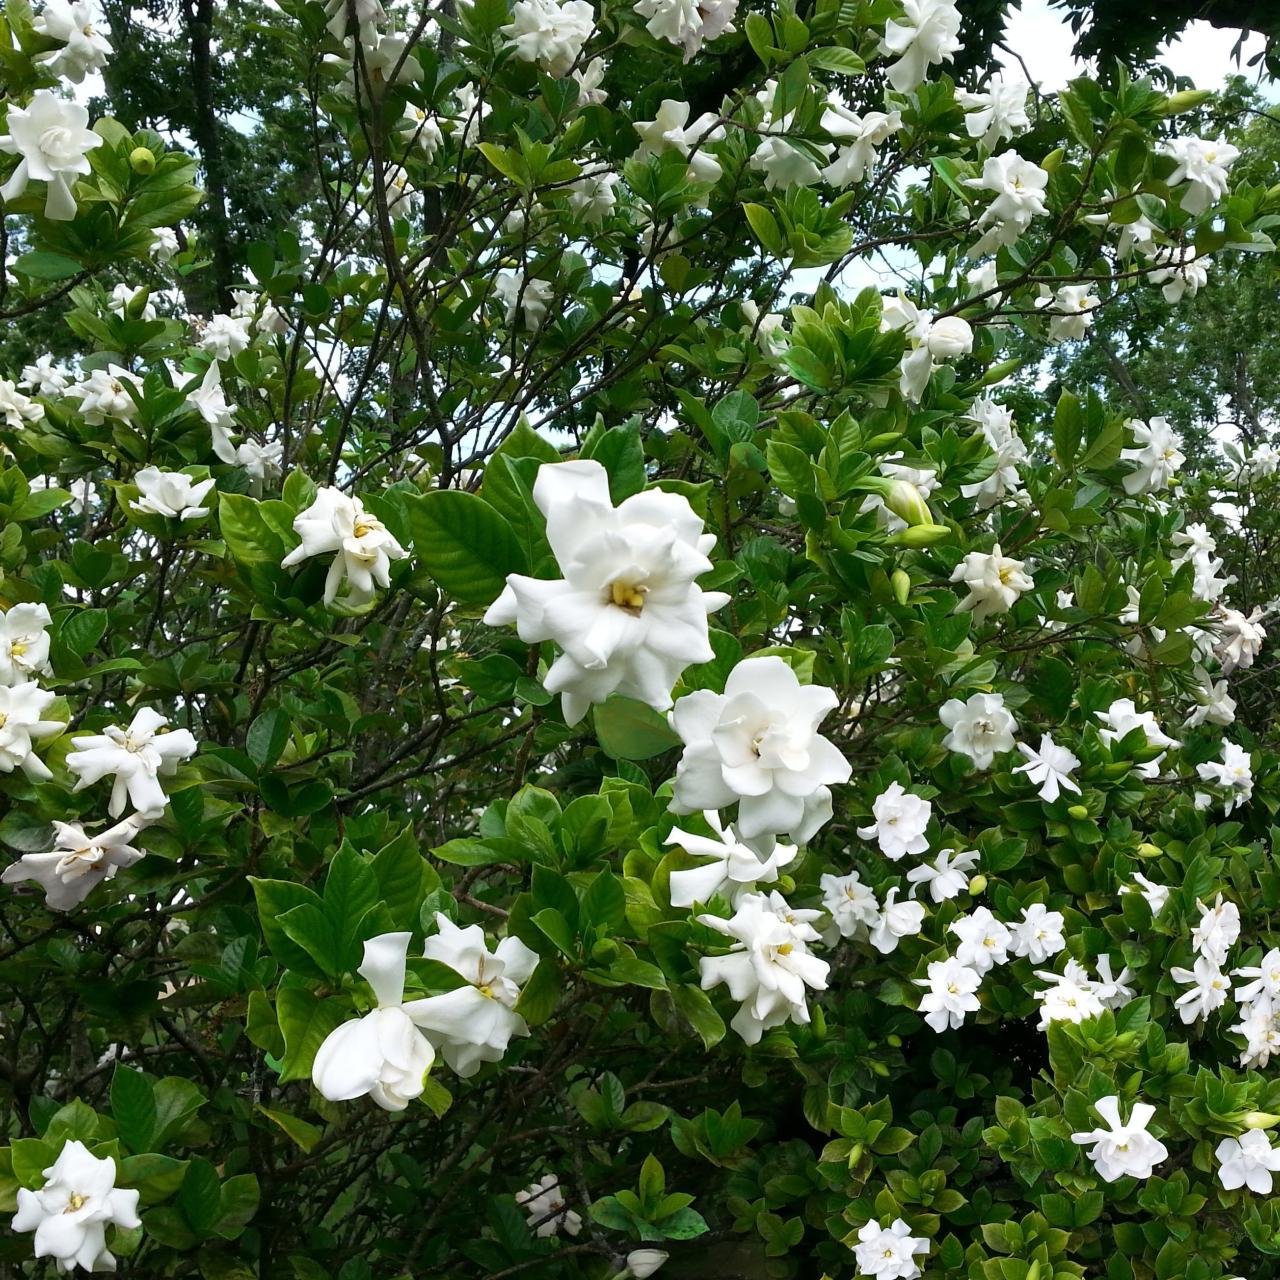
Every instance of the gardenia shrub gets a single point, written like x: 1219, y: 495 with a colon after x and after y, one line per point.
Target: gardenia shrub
x: 549, y: 732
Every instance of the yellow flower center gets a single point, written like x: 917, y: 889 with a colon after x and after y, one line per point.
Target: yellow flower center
x: 76, y: 1203
x: 627, y: 595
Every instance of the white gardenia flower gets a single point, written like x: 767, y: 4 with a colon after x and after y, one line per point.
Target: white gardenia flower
x: 45, y: 378
x: 1180, y: 271
x: 383, y: 1054
x: 544, y: 1205
x: 928, y: 341
x: 549, y: 32
x: 21, y: 706
x: 1217, y: 931
x: 996, y: 423
x: 1239, y: 638
x: 422, y: 128
x: 1121, y: 718
x: 927, y: 33
x: 979, y: 728
x: 950, y: 992
x: 1019, y: 188
x: 1248, y: 1161
x: 474, y: 1023
x: 770, y: 967
x: 366, y: 12
x: 165, y: 244
x: 83, y: 35
x: 53, y: 139
x: 900, y: 822
x: 1038, y: 935
x: 1156, y: 459
x: 670, y: 130
x: 889, y: 1253
x: 362, y: 546
x: 1208, y: 989
x: 224, y: 336
x: 592, y: 197
x: 1070, y: 310
x: 984, y: 940
x: 78, y: 862
x: 1265, y: 987
x: 688, y: 23
x: 16, y: 409
x: 860, y: 138
x: 733, y: 868
x: 852, y: 905
x: 1234, y: 774
x: 589, y: 79
x: 1156, y: 894
x: 262, y: 462
x: 170, y: 493
x: 523, y: 296
x: 210, y: 402
x: 1049, y: 768
x: 70, y: 1214
x: 628, y: 614
x: 897, y: 920
x: 993, y: 580
x: 1202, y: 164
x: 997, y: 112
x: 757, y: 745
x: 137, y: 757
x: 103, y: 395
x: 122, y: 297
x: 1124, y: 1148
x: 946, y: 877
x: 24, y: 643
x: 1071, y: 996
x: 1113, y: 991
x: 642, y: 1263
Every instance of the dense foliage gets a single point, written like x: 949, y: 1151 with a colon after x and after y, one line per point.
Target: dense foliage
x: 545, y: 731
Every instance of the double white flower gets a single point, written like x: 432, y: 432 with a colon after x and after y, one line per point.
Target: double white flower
x: 549, y: 32
x: 1124, y: 1148
x: 757, y: 745
x: 927, y: 33
x: 21, y: 706
x: 170, y: 493
x: 979, y: 728
x: 628, y: 614
x: 993, y: 580
x: 138, y: 757
x: 733, y: 868
x: 361, y: 545
x: 51, y: 136
x: 24, y: 643
x: 78, y: 862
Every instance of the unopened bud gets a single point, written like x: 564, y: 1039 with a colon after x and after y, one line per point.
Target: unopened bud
x: 1050, y: 163
x: 1078, y: 812
x: 142, y: 160
x: 605, y: 949
x: 907, y: 503
x: 921, y: 535
x: 978, y: 885
x: 1260, y: 1120
x: 894, y: 1042
x: 1148, y: 850
x: 1186, y: 100
x: 900, y: 581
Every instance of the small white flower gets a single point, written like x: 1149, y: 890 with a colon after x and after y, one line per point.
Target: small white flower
x: 984, y: 940
x: 82, y: 33
x: 24, y: 643
x: 1202, y: 164
x: 946, y: 876
x: 71, y: 1212
x: 16, y: 410
x: 900, y: 822
x: 670, y: 130
x: 927, y: 33
x: 224, y: 336
x: 1123, y: 1149
x: 861, y: 137
x: 45, y: 378
x: 997, y: 112
x: 1234, y: 774
x: 1019, y: 188
x: 1240, y: 638
x: 996, y: 423
x: 1208, y: 989
x: 979, y: 727
x: 1156, y: 459
x: 103, y: 395
x: 53, y: 139
x: 1248, y: 1161
x: 1070, y: 310
x: 897, y: 920
x: 1049, y: 768
x: 362, y: 546
x: 137, y: 757
x: 851, y: 904
x: 523, y: 295
x: 78, y: 862
x: 165, y: 244
x: 687, y: 23
x: 889, y: 1253
x: 1070, y: 997
x: 1121, y: 718
x: 549, y: 32
x: 170, y: 493
x: 951, y: 989
x: 642, y: 1263
x: 993, y: 580
x: 21, y: 708
x: 733, y: 868
x: 1156, y: 894
x: 1038, y: 935
x: 544, y: 1206
x: 122, y: 297
x: 1217, y: 931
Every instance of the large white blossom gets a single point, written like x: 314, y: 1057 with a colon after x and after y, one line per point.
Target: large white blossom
x: 1038, y: 935
x: 1248, y: 1161
x: 984, y: 941
x: 82, y: 34
x: 950, y: 992
x: 889, y: 1253
x: 383, y: 1054
x: 687, y: 23
x: 170, y: 493
x: 1019, y: 187
x: 52, y: 137
x: 1124, y: 1148
x: 16, y: 409
x: 897, y: 920
x: 1207, y: 989
x: 859, y: 138
x: 103, y: 394
x: 474, y: 1023
x: 770, y: 968
x: 78, y: 862
x: 993, y: 580
x: 671, y: 130
x: 997, y: 112
x: 628, y: 615
x: 1240, y: 638
x: 927, y: 33
x: 137, y: 758
x: 549, y: 32
x: 361, y: 545
x: 1233, y: 773
x: 1156, y: 457
x: 71, y: 1212
x: 757, y: 745
x: 22, y: 707
x: 1203, y: 165
x: 1009, y: 449
x: 979, y: 727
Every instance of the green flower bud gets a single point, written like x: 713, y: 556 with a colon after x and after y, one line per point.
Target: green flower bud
x: 1260, y: 1120
x: 1148, y: 850
x: 901, y: 583
x: 142, y: 160
x: 906, y: 502
x: 1052, y: 160
x: 604, y: 950
x: 921, y: 535
x: 978, y: 885
x: 1078, y: 812
x: 1187, y: 100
